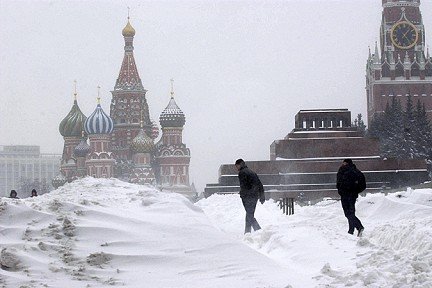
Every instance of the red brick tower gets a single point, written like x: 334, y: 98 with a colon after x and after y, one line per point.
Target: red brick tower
x: 402, y: 67
x: 128, y: 102
x: 172, y: 155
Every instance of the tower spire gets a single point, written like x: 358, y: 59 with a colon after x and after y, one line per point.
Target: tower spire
x: 98, y: 97
x: 376, y: 55
x: 172, y: 88
x: 75, y: 90
x: 128, y: 78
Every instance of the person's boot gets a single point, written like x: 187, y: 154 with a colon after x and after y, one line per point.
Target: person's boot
x: 360, y: 232
x: 255, y: 225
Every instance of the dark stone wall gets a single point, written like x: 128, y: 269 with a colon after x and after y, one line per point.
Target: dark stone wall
x: 325, y: 147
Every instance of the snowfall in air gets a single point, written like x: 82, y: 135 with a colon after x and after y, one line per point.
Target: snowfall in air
x: 108, y: 233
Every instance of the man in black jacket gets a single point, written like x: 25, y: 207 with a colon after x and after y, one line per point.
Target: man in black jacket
x: 347, y: 182
x: 251, y: 189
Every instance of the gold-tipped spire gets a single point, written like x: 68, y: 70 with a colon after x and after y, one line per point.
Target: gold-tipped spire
x: 98, y: 97
x: 128, y: 30
x: 172, y: 88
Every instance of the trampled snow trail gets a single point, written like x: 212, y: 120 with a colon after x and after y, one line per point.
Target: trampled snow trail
x: 396, y: 250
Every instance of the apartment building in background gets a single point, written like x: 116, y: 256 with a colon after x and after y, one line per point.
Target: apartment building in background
x: 23, y: 164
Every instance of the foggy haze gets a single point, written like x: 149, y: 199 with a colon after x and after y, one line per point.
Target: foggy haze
x: 242, y: 69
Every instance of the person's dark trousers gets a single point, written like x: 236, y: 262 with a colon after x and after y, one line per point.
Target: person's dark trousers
x: 348, y: 205
x: 249, y: 205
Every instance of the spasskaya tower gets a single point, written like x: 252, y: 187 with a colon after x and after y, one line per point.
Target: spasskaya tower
x: 401, y: 65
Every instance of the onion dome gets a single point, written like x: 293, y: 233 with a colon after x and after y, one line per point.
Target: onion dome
x: 154, y: 130
x: 172, y: 116
x: 99, y: 122
x: 72, y: 124
x: 128, y: 30
x: 82, y: 149
x: 142, y: 143
x: 58, y: 180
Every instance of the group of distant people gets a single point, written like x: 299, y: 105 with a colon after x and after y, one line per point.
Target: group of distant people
x: 350, y: 182
x: 13, y: 194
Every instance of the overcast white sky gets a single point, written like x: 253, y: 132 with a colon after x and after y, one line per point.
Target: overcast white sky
x: 242, y: 69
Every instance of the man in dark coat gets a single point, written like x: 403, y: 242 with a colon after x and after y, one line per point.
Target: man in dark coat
x: 251, y: 189
x: 347, y: 181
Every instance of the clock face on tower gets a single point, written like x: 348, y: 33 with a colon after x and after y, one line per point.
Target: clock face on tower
x: 404, y: 35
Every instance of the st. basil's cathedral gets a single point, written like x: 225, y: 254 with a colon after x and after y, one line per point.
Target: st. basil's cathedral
x: 122, y: 144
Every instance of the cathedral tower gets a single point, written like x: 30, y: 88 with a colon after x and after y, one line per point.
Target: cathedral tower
x: 128, y: 102
x: 71, y: 128
x: 400, y: 65
x: 100, y: 161
x: 172, y: 155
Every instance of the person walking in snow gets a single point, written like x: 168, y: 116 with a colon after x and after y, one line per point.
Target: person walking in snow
x: 251, y: 189
x: 350, y: 181
x: 34, y: 193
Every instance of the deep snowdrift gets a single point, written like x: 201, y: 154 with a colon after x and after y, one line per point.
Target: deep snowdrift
x: 98, y: 233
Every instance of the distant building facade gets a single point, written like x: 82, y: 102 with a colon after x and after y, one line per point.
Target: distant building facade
x: 122, y: 144
x: 401, y: 64
x: 20, y: 163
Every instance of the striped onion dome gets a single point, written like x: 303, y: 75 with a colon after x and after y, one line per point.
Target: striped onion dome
x: 82, y: 149
x: 72, y: 124
x: 142, y: 143
x: 99, y: 122
x: 172, y: 116
x: 154, y: 130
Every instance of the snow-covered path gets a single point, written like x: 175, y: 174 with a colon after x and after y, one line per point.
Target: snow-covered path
x: 396, y: 250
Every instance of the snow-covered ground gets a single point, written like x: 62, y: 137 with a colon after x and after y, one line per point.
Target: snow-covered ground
x: 104, y: 232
